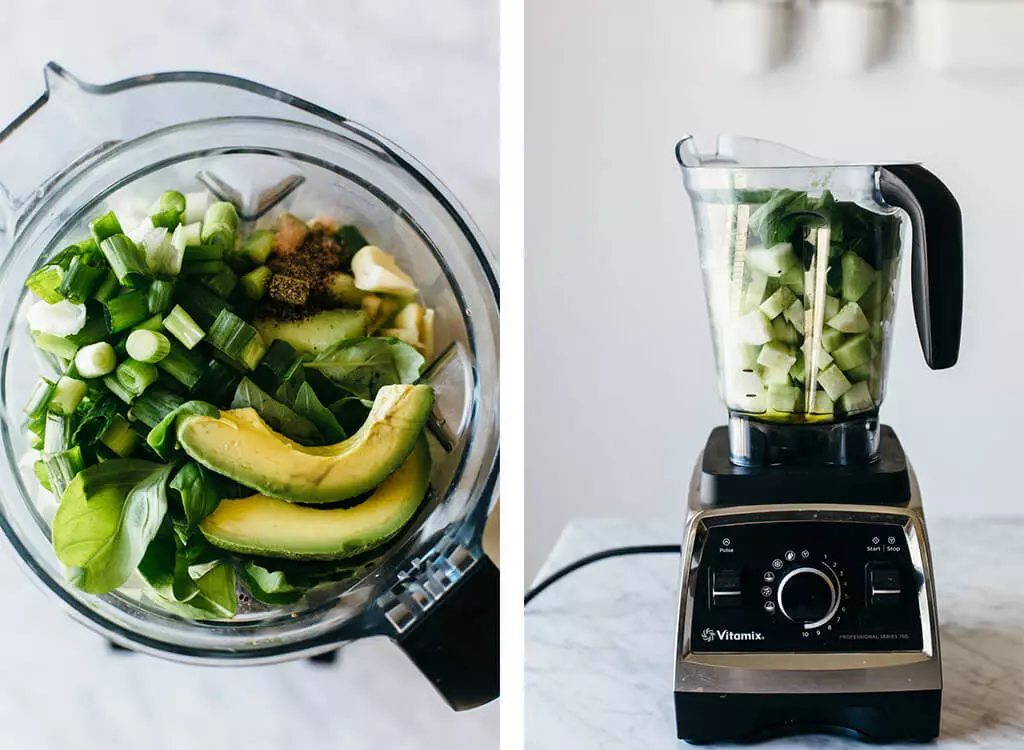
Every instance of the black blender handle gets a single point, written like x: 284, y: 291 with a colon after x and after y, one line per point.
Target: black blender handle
x: 937, y: 268
x: 456, y: 642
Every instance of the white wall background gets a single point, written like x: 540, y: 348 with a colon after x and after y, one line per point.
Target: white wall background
x: 620, y: 378
x: 423, y: 74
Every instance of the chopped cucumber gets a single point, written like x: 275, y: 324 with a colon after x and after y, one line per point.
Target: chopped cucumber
x: 784, y: 332
x: 823, y: 358
x: 754, y: 328
x: 794, y: 279
x: 741, y: 356
x: 850, y: 319
x: 857, y: 351
x: 773, y: 261
x: 780, y: 300
x: 775, y: 376
x: 754, y: 291
x: 858, y: 276
x: 798, y: 370
x: 831, y: 339
x: 857, y: 398
x: 783, y: 398
x: 776, y: 356
x: 834, y: 382
x: 795, y: 315
x: 745, y: 391
x: 832, y: 306
x: 862, y: 372
x: 822, y: 404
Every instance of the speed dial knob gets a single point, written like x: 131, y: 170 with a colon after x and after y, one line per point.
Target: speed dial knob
x: 808, y: 596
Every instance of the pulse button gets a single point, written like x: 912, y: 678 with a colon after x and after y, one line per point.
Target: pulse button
x: 884, y: 584
x: 725, y: 588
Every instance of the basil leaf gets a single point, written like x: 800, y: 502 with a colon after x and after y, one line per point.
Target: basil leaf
x: 163, y: 438
x: 270, y: 586
x: 362, y: 365
x: 157, y: 565
x: 95, y: 420
x: 308, y: 405
x: 212, y: 596
x: 106, y: 520
x: 351, y: 412
x: 200, y: 492
x: 277, y: 415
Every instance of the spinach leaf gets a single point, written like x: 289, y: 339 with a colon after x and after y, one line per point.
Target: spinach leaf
x: 200, y: 492
x: 276, y: 414
x: 308, y: 405
x: 163, y: 438
x: 106, y: 520
x: 270, y: 586
x: 362, y: 365
x: 351, y: 412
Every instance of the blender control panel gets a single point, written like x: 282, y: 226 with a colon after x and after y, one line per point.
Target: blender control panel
x: 806, y: 586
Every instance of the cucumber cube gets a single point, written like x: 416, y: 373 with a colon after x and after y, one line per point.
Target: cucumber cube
x: 755, y: 290
x: 741, y: 356
x: 754, y: 328
x: 795, y: 315
x: 778, y: 376
x: 784, y: 332
x: 773, y: 261
x: 832, y: 306
x: 834, y: 382
x: 831, y: 339
x: 858, y: 276
x: 798, y: 370
x: 745, y: 391
x: 862, y: 372
x: 822, y: 360
x: 822, y: 403
x: 794, y: 279
x: 857, y: 398
x: 783, y: 398
x: 850, y: 319
x: 780, y: 300
x: 776, y: 356
x: 857, y: 351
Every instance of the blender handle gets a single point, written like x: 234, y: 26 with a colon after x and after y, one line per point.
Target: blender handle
x: 937, y: 257
x: 456, y: 643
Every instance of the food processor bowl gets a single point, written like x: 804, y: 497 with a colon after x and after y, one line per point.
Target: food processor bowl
x: 801, y: 261
x: 81, y: 150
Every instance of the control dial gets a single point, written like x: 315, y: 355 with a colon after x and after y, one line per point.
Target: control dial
x: 809, y: 596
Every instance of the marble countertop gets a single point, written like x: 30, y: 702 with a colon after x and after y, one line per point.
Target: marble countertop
x: 600, y: 643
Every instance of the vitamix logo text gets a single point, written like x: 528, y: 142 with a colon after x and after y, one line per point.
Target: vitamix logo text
x: 710, y: 635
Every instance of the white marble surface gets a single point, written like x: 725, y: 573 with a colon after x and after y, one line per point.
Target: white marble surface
x: 423, y: 74
x: 600, y: 643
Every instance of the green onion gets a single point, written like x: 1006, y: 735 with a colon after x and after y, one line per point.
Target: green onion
x: 137, y: 376
x: 154, y: 323
x: 351, y: 238
x: 183, y: 365
x: 202, y: 304
x: 254, y: 283
x: 196, y: 205
x: 152, y: 406
x: 62, y: 467
x: 114, y: 385
x: 120, y: 437
x: 163, y: 255
x: 253, y: 352
x: 172, y: 200
x: 127, y: 263
x: 183, y: 327
x: 259, y: 245
x: 195, y: 253
x: 230, y: 334
x: 202, y: 267
x: 57, y: 437
x: 167, y: 219
x: 61, y: 347
x: 187, y: 235
x: 126, y: 311
x: 108, y: 288
x: 68, y: 395
x: 40, y: 399
x: 104, y: 227
x: 35, y: 443
x: 217, y: 383
x: 84, y: 274
x: 95, y: 360
x: 39, y: 467
x: 221, y: 283
x: 95, y: 329
x: 160, y: 293
x: 148, y: 346
x: 220, y: 224
x: 45, y: 283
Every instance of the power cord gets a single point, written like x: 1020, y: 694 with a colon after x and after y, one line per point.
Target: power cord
x: 644, y: 549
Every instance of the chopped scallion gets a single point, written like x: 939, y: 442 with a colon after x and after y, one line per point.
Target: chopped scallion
x: 195, y: 253
x: 46, y: 282
x: 85, y: 273
x: 152, y: 406
x: 183, y: 327
x: 125, y: 260
x: 153, y: 323
x: 40, y: 399
x: 68, y: 395
x: 57, y: 436
x: 108, y: 287
x: 202, y: 304
x: 169, y: 220
x: 221, y: 283
x: 254, y: 283
x: 148, y: 346
x: 57, y: 345
x: 114, y: 385
x: 120, y: 437
x: 126, y: 311
x: 160, y: 293
x: 105, y: 226
x: 230, y: 334
x: 183, y: 365
x: 137, y: 376
x: 172, y: 200
x: 202, y: 267
x: 259, y: 245
x: 62, y: 467
x: 95, y: 360
x: 220, y: 224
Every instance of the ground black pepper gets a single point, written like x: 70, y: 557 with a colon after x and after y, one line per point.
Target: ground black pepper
x: 312, y: 262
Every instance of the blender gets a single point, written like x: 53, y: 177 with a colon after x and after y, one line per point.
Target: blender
x: 83, y: 149
x: 807, y: 602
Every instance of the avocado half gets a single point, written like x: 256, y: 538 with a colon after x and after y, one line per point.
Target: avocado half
x: 240, y: 445
x: 267, y: 526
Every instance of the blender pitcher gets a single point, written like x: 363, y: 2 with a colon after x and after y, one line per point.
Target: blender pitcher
x: 83, y: 149
x: 801, y: 262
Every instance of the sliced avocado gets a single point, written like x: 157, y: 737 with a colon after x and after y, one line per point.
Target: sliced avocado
x: 240, y: 445
x: 261, y: 525
x: 317, y: 332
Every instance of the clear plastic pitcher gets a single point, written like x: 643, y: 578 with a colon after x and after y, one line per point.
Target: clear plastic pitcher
x: 801, y: 261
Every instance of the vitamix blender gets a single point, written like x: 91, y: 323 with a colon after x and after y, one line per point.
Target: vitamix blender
x: 807, y: 598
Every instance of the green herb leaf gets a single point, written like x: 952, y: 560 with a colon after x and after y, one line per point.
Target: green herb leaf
x: 106, y: 520
x: 211, y: 596
x: 200, y: 492
x: 362, y: 365
x: 276, y: 414
x: 97, y: 416
x: 270, y: 586
x: 308, y: 405
x: 351, y: 412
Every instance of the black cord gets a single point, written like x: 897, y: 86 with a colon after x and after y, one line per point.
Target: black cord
x: 645, y: 549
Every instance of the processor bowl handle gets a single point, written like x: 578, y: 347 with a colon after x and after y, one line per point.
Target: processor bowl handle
x: 937, y: 253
